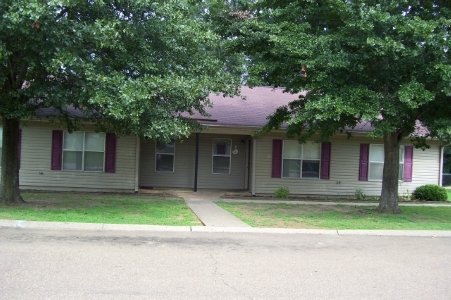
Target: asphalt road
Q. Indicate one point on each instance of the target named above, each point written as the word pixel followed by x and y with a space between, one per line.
pixel 42 264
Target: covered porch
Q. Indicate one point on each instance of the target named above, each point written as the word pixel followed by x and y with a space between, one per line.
pixel 206 160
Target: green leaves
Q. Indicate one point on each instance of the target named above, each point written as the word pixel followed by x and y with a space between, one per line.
pixel 384 62
pixel 414 94
pixel 139 65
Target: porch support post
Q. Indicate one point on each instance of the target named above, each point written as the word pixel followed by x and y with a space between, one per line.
pixel 196 162
pixel 254 161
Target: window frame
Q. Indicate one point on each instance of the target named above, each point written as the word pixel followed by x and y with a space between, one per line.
pixel 83 153
pixel 401 163
pixel 213 156
pixel 402 150
pixel 158 153
pixel 445 158
pixel 301 159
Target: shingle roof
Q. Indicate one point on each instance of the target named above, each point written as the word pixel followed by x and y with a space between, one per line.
pixel 254 109
pixel 251 109
pixel 54 112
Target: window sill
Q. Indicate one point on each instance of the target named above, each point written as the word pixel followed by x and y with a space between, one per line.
pixel 79 171
pixel 380 180
pixel 302 178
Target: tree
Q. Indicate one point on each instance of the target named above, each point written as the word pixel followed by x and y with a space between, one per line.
pixel 135 67
pixel 385 62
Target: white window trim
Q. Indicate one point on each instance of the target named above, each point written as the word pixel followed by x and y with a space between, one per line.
pixel 401 148
pixel 83 154
pixel 219 155
pixel 173 159
pixel 302 159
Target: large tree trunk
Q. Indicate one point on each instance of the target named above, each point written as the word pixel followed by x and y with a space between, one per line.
pixel 388 202
pixel 10 163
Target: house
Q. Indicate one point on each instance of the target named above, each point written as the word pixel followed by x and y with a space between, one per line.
pixel 225 155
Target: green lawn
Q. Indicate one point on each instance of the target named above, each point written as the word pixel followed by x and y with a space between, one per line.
pixel 339 217
pixel 101 208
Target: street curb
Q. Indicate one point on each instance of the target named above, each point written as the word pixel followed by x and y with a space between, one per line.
pixel 212 229
pixel 398 233
pixel 21 224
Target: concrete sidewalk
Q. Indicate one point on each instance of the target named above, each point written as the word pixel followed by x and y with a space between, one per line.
pixel 203 206
pixel 100 227
pixel 333 203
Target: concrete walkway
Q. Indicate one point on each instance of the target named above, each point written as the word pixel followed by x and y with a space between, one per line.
pixel 210 214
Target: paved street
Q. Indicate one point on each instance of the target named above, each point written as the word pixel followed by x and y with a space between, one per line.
pixel 38 264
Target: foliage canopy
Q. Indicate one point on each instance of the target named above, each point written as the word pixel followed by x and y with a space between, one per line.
pixel 137 64
pixel 386 62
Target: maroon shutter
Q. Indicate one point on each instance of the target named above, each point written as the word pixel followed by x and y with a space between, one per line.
pixel 363 162
pixel 57 149
pixel 19 147
pixel 276 158
pixel 110 153
pixel 325 161
pixel 408 163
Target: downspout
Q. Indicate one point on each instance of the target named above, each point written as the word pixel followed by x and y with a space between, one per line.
pixel 137 162
pixel 196 162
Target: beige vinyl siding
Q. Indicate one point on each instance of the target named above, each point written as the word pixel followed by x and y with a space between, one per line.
pixel 235 180
pixel 344 168
pixel 35 172
pixel 183 175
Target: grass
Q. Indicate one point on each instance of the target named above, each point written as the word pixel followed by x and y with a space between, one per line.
pixel 100 208
pixel 339 216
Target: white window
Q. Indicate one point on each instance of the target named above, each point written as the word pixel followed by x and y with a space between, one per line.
pixel 221 156
pixel 84 151
pixel 401 162
pixel 301 160
pixel 376 162
pixel 164 157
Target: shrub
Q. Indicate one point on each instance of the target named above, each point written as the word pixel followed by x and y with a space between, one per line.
pixel 430 192
pixel 282 192
pixel 360 195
